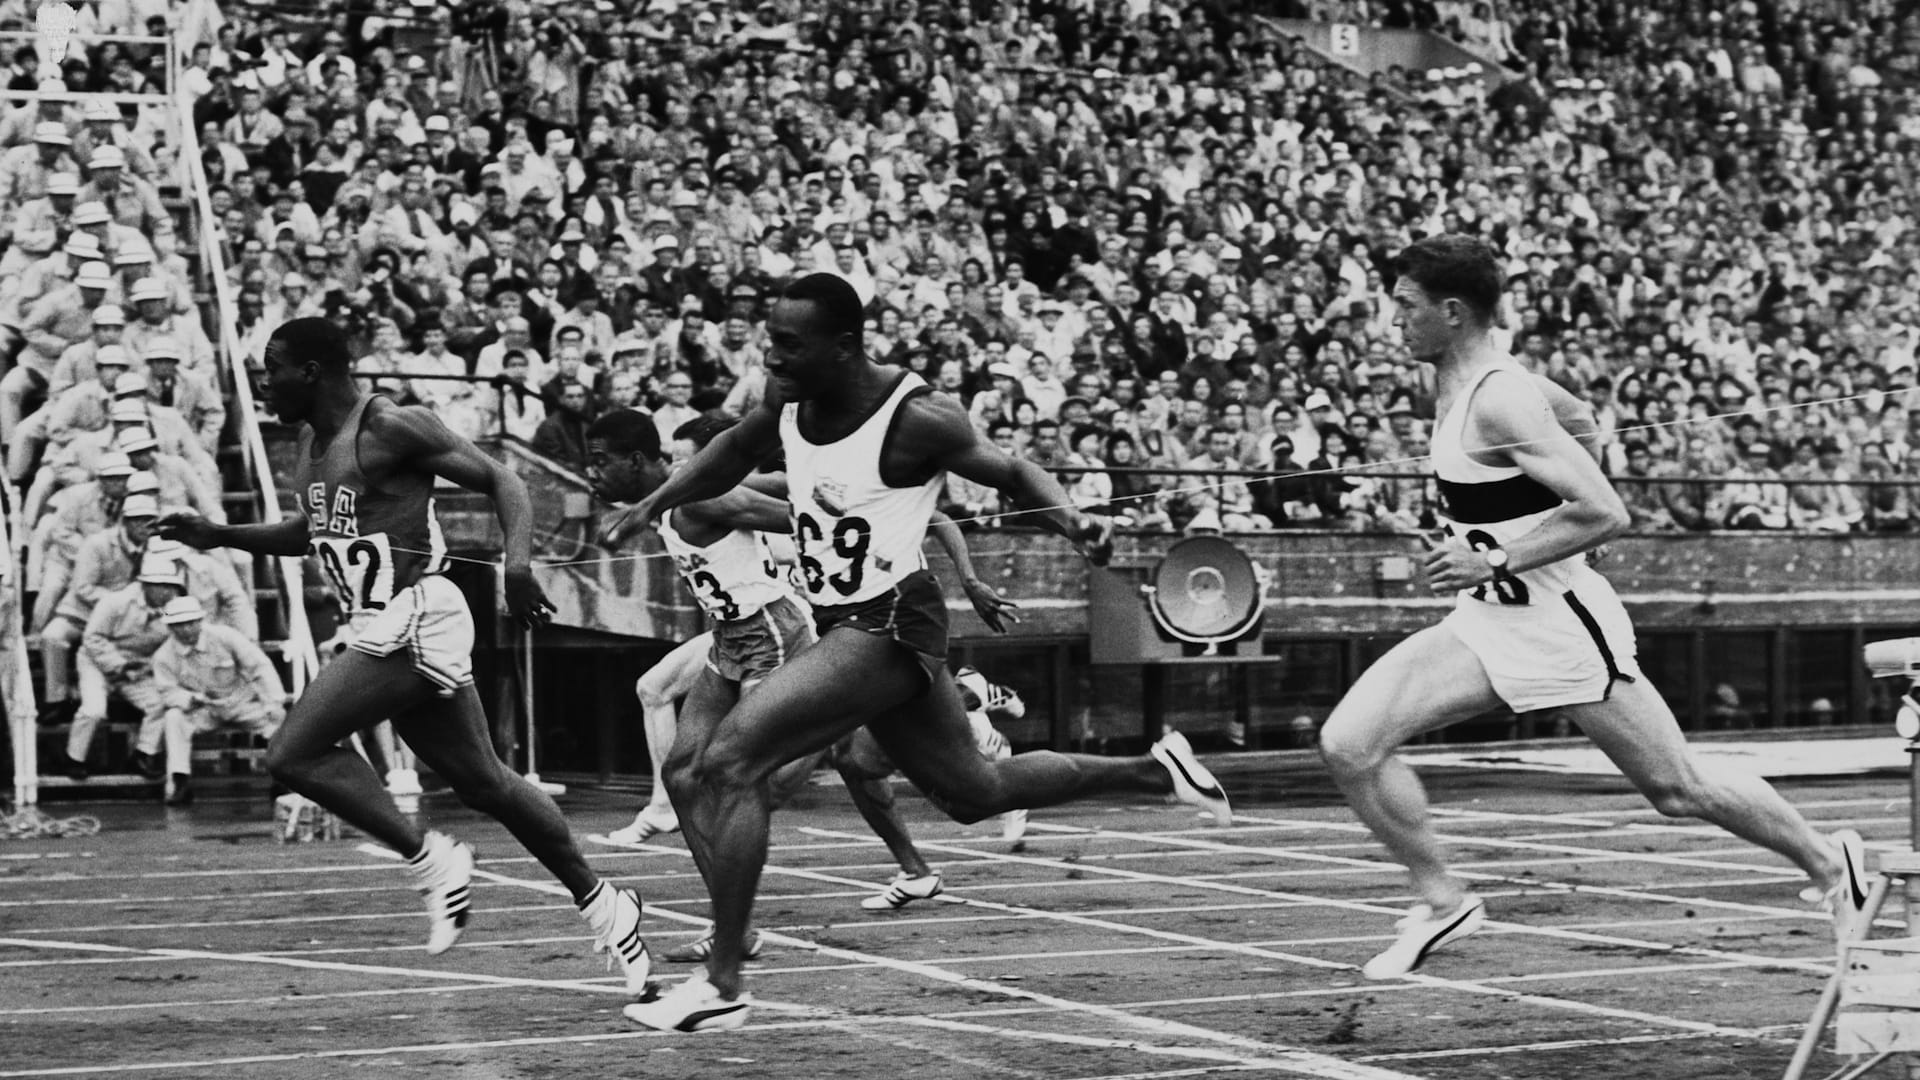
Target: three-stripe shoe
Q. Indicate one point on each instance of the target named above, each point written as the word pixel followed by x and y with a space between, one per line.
pixel 1848 897
pixel 903 890
pixel 694 1005
pixel 1421 932
pixel 1192 783
pixel 445 871
pixel 696 952
pixel 622 943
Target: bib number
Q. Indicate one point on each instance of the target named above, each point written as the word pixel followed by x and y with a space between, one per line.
pixel 852 538
pixel 715 599
pixel 1507 590
pixel 360 569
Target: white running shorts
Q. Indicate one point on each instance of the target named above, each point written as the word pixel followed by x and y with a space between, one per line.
pixel 1567 649
pixel 431 622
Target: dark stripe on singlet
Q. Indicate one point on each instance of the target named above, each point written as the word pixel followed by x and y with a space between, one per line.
pixel 1495 500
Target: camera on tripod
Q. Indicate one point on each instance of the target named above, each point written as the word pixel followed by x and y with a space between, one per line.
pixel 1898 656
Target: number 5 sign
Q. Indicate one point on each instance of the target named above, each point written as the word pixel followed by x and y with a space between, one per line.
pixel 1346 39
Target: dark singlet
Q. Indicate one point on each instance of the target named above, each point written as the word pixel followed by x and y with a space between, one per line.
pixel 371 542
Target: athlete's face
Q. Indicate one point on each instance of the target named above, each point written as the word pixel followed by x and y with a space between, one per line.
pixel 621 477
pixel 286 386
pixel 1426 325
pixel 802 356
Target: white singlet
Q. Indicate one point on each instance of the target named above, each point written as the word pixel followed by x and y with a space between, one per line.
pixel 1548 636
pixel 857 535
pixel 732 578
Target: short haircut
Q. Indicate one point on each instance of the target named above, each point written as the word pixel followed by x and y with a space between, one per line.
pixel 1454 267
pixel 839 306
pixel 321 341
pixel 702 430
pixel 627 431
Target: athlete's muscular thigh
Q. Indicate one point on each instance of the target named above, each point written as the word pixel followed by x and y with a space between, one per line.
pixel 932 742
pixel 674 675
pixel 1424 683
pixel 351 691
pixel 810 702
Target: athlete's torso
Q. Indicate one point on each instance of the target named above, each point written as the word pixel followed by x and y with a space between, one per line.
pixel 1488 505
pixel 857 535
pixel 371 542
pixel 732 578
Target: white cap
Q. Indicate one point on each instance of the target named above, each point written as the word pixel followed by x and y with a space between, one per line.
pixel 134 440
pixel 99 109
pixel 84 246
pixel 436 122
pixel 143 481
pixel 148 289
pixel 682 199
pixel 1318 400
pixel 52 132
pixel 133 254
pixel 107 157
pixel 162 348
pixel 140 506
pixel 91 212
pixel 131 385
pixel 112 463
pixel 63 183
pixel 111 356
pixel 184 610
pixel 464 214
pixel 156 570
pixel 109 315
pixel 94 275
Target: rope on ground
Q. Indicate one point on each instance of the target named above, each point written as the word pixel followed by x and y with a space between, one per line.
pixel 29 823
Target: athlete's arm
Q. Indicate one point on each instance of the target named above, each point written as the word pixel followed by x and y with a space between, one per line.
pixel 288 536
pixel 988 604
pixel 417 436
pixel 743 508
pixel 1531 438
pixel 937 428
pixel 1573 414
pixel 713 472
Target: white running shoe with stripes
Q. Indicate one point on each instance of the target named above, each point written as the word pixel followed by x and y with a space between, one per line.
pixel 1192 783
pixel 1421 932
pixel 444 869
pixel 903 890
pixel 696 952
pixel 694 1005
pixel 622 943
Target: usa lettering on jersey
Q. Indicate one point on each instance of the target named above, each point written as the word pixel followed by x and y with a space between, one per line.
pixel 342 519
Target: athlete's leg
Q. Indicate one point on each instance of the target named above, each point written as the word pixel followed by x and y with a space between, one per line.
pixel 307 756
pixel 670 679
pixel 1424 683
pixel 799 710
pixel 1637 732
pixel 865 768
pixel 708 702
pixel 932 741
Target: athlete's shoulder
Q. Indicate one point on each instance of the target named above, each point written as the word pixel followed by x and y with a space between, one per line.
pixel 402 426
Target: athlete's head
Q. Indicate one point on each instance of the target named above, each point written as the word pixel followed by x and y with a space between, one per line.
pixel 1448 289
pixel 693 436
pixel 816 329
pixel 300 356
pixel 623 456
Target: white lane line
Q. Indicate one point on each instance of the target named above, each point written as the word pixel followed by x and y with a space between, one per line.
pixel 189 1003
pixel 1568 1044
pixel 1274 1055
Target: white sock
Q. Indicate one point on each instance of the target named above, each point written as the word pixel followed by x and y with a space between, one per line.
pixel 433 852
pixel 597 908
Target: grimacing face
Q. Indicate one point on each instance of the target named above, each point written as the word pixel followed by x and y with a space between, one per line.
pixel 622 477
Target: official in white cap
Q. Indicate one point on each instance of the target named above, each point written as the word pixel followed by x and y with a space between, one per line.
pixel 131 200
pixel 210 676
pixel 116 658
pixel 105 603
pixel 74 515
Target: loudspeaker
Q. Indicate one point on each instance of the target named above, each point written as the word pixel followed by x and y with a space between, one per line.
pixel 1201 601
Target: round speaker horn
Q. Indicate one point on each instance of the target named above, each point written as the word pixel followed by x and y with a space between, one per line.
pixel 1206 591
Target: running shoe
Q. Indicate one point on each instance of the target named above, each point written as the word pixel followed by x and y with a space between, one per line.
pixel 904 890
pixel 650 822
pixel 694 1005
pixel 697 952
pixel 445 871
pixel 622 943
pixel 1421 932
pixel 1848 897
pixel 1192 783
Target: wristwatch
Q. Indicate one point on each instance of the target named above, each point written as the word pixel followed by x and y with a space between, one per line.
pixel 1497 560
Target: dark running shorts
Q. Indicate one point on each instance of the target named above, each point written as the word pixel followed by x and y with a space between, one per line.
pixel 755 647
pixel 913 613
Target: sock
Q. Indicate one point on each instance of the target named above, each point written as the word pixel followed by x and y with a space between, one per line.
pixel 597 907
pixel 431 847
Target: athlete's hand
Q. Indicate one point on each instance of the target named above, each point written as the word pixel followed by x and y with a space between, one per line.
pixel 1095 539
pixel 629 522
pixel 1452 566
pixel 993 609
pixel 526 601
pixel 189 528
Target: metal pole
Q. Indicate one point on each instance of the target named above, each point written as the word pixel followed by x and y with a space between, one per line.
pixel 526 702
pixel 1912 913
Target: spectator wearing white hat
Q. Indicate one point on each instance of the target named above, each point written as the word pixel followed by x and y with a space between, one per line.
pixel 188 393
pixel 209 577
pixel 56 269
pixel 37 224
pixel 131 201
pixel 155 318
pixel 133 262
pixel 123 632
pixel 102 126
pixel 89 405
pixel 180 483
pixel 105 562
pixel 54 105
pixel 63 318
pixel 78 363
pixel 25 170
pixel 210 676
pixel 72 516
pixel 93 218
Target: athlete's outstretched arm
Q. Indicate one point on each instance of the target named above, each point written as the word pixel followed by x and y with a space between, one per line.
pixel 744 508
pixel 1527 433
pixel 288 536
pixel 417 434
pixel 936 427
pixel 988 604
pixel 713 472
